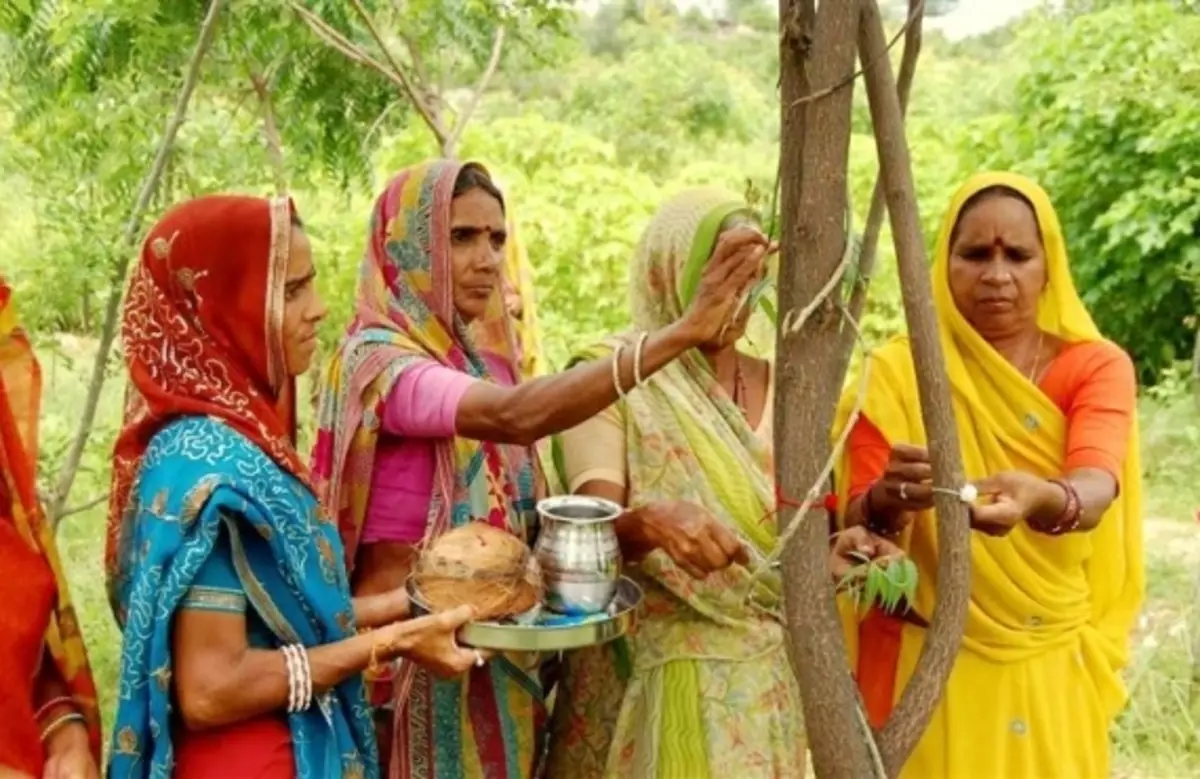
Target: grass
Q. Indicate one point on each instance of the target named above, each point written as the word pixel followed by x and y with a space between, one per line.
pixel 1156 737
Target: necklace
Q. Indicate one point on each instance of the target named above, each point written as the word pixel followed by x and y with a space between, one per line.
pixel 1037 361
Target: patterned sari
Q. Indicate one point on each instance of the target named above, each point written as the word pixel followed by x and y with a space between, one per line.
pixel 33 623
pixel 711 693
pixel 489 723
pixel 205 446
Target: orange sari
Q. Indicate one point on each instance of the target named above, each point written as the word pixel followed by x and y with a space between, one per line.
pixel 37 617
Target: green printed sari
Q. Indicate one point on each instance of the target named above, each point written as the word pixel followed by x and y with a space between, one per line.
pixel 708 692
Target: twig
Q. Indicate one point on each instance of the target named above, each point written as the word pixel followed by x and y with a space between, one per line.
pixel 271 132
pixel 91 504
pixel 868 735
pixel 915 12
pixel 375 125
pixel 427 114
pixel 132 227
pixel 414 53
pixel 488 72
pixel 835 454
pixel 793 326
pixel 342 44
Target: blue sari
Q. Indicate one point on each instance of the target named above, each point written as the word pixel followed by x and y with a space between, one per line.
pixel 198 477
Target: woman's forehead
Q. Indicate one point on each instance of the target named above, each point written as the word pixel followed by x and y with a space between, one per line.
pixel 996 217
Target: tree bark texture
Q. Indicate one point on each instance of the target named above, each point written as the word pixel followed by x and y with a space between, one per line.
pixel 925 689
pixel 869 250
pixel 817 49
pixel 133 228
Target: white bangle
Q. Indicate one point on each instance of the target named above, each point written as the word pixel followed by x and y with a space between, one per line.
pixel 306 677
pixel 637 359
pixel 616 366
pixel 300 687
pixel 293 682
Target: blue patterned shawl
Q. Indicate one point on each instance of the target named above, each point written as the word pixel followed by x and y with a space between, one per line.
pixel 197 474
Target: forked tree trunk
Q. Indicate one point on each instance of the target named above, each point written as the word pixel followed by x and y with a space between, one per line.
pixel 817 49
pixel 925 689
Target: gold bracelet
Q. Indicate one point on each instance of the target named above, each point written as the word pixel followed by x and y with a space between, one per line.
pixel 58 722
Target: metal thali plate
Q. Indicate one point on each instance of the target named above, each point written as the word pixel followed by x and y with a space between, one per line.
pixel 541 630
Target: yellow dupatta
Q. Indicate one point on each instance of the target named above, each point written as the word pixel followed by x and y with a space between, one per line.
pixel 518 272
pixel 1033 597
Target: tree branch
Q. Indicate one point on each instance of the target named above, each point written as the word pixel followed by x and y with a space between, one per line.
pixel 869 248
pixel 271 133
pixel 132 229
pixel 355 53
pixel 817 47
pixel 915 12
pixel 925 689
pixel 878 207
pixel 430 116
pixel 488 72
pixel 89 505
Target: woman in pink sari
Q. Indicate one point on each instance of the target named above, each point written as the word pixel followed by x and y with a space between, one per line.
pixel 425 425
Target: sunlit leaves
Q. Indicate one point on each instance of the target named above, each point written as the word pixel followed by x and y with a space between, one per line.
pixel 1105 118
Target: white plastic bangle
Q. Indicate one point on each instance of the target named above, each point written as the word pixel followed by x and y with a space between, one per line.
pixel 293 680
pixel 616 368
pixel 637 359
pixel 305 677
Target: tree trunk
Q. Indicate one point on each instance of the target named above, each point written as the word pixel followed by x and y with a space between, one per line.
pixel 925 689
pixel 868 253
pixel 128 242
pixel 1196 375
pixel 816 54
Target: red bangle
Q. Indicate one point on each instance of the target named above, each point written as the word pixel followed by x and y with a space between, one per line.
pixel 1068 519
pixel 61 700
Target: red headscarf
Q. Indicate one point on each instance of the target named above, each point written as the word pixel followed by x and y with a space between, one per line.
pixel 203 335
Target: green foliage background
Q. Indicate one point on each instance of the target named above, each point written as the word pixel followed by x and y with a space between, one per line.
pixel 590 123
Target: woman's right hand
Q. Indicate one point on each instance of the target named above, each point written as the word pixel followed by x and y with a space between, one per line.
pixel 906 486
pixel 736 262
pixel 430 641
pixel 691 536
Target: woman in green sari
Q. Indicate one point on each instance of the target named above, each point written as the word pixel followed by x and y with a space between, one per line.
pixel 704 688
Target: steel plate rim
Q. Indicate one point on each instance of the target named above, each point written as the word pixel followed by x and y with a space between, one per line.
pixel 553 638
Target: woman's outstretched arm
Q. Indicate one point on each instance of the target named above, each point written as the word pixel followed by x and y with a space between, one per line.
pixel 549 405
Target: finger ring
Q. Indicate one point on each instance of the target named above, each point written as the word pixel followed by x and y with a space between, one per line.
pixel 478 659
pixel 903 490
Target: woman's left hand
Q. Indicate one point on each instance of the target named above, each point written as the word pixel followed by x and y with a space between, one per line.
pixel 69 754
pixel 1014 497
pixel 859 540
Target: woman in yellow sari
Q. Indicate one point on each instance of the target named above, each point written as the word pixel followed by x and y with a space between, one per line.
pixel 1046 412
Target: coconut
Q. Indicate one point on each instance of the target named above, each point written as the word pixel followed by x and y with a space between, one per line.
pixel 481 566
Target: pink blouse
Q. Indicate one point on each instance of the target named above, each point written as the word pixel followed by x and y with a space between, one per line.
pixel 421 409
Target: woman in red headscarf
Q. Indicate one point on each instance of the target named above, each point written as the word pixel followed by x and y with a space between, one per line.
pixel 49 722
pixel 242 646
